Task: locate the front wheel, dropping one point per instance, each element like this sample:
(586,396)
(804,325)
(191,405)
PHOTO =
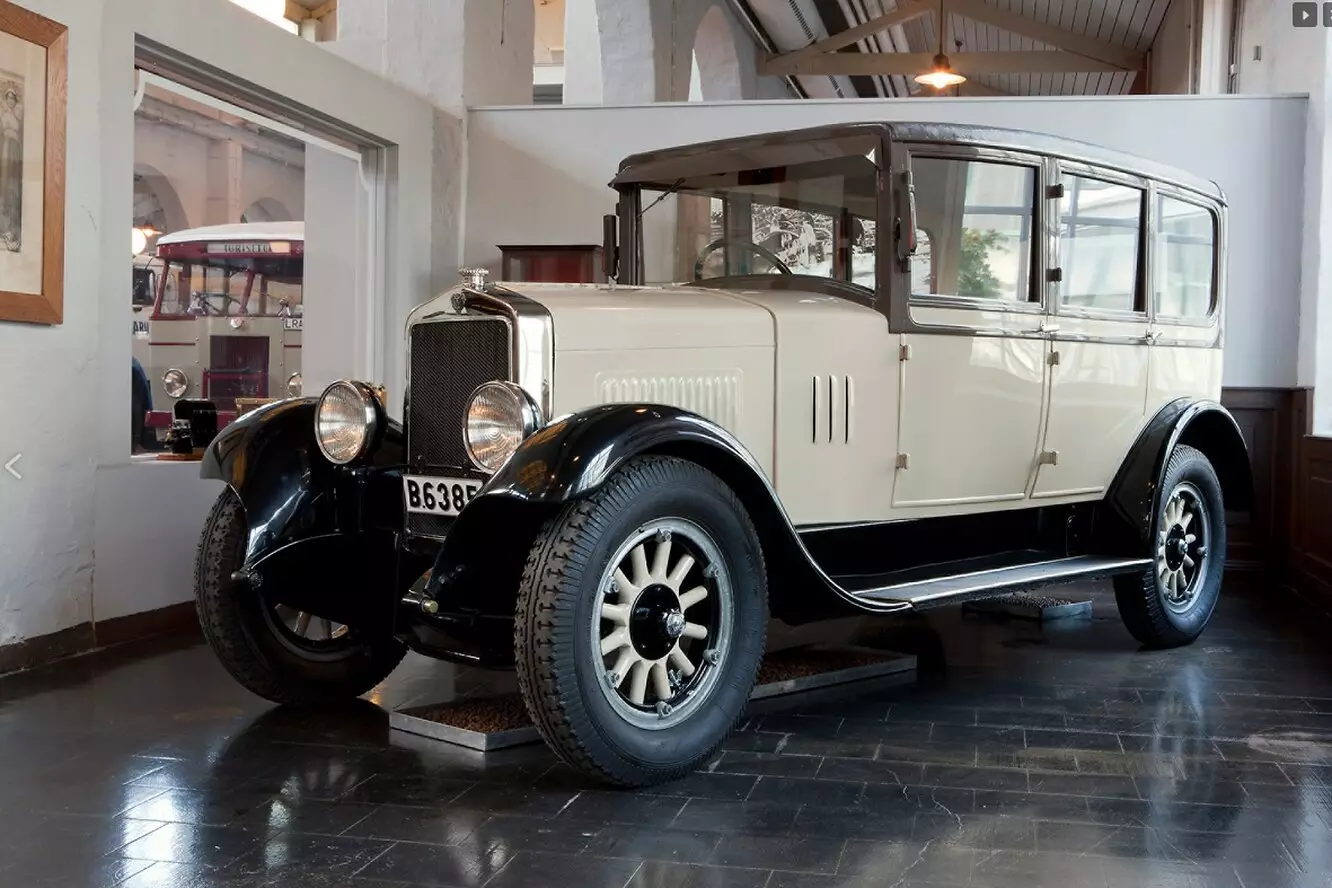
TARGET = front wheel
(278,653)
(1169,604)
(641,621)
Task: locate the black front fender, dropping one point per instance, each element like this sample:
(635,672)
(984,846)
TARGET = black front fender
(1204,425)
(573,457)
(290,491)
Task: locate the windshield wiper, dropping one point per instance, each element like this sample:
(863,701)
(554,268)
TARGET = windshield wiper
(665,194)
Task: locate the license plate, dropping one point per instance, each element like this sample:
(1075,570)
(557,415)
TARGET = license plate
(438,496)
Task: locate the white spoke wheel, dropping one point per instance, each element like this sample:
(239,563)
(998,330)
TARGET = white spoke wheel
(1181,551)
(641,620)
(1170,603)
(662,622)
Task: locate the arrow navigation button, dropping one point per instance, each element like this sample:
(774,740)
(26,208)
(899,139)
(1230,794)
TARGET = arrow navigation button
(9,466)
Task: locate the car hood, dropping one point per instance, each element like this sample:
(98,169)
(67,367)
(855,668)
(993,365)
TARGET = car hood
(599,318)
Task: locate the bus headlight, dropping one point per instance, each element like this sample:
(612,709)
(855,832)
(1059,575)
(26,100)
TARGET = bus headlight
(499,416)
(346,421)
(176,383)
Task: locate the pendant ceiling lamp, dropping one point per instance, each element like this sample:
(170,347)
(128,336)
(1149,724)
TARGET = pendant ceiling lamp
(941,74)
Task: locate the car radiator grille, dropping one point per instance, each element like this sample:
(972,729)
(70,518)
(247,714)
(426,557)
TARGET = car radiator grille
(449,359)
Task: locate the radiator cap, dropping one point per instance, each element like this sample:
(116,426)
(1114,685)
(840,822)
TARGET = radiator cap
(474,277)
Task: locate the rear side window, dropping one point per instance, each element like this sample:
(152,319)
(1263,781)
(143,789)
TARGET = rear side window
(1100,225)
(1184,260)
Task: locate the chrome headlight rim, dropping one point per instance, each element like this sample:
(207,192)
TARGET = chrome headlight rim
(176,383)
(295,385)
(527,412)
(368,409)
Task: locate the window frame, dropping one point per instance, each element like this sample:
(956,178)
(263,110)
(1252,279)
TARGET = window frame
(1160,190)
(1061,171)
(1035,301)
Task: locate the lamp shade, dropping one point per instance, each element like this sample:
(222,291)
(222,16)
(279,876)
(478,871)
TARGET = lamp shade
(941,74)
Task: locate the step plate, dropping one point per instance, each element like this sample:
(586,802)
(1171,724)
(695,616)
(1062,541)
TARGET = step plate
(984,583)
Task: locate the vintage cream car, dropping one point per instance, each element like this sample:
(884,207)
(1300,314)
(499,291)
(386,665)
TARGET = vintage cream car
(912,364)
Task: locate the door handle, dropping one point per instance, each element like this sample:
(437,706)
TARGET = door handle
(1046,327)
(1154,336)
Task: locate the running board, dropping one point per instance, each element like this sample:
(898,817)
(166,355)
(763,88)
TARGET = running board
(957,587)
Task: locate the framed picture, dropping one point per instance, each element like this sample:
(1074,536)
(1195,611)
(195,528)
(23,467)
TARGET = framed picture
(34,54)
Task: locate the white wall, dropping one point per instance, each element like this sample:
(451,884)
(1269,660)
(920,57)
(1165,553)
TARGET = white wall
(538,175)
(66,397)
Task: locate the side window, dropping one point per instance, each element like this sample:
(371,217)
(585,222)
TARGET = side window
(979,219)
(1185,247)
(1100,225)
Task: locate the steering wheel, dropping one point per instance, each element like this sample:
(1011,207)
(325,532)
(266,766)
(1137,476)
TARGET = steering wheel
(747,245)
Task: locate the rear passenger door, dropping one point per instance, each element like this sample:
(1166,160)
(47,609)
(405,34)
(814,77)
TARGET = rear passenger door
(1096,286)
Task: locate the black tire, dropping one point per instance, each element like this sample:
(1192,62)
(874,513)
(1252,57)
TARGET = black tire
(241,627)
(1143,598)
(566,685)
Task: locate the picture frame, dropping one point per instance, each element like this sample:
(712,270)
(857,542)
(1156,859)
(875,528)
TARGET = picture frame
(34,73)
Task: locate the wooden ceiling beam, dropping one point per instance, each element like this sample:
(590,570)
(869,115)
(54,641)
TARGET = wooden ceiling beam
(1051,35)
(906,11)
(297,12)
(852,64)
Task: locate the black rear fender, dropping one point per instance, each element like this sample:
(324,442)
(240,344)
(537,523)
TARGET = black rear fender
(1127,522)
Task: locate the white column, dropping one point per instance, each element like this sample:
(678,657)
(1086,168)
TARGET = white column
(582,53)
(456,53)
(1277,58)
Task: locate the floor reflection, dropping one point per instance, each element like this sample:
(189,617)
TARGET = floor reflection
(1057,755)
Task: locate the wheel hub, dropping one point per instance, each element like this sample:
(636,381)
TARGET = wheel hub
(663,628)
(656,622)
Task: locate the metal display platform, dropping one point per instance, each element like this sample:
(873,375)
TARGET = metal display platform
(786,678)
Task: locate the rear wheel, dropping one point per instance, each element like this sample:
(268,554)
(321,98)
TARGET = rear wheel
(641,622)
(1170,603)
(276,652)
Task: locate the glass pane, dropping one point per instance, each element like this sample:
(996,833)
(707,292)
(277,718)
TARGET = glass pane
(808,218)
(975,236)
(1099,227)
(1185,245)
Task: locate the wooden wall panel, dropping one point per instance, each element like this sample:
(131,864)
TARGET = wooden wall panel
(1265,420)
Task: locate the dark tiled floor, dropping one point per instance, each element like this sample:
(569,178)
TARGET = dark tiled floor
(1023,756)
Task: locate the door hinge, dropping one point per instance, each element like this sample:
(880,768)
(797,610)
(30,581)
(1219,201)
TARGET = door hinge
(1054,192)
(1048,458)
(1054,275)
(904,352)
(1053,360)
(903,460)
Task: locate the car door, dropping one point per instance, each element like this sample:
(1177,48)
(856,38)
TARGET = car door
(1186,294)
(1099,356)
(972,347)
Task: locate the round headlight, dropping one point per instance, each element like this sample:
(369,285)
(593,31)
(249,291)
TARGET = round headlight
(499,416)
(345,421)
(176,383)
(294,387)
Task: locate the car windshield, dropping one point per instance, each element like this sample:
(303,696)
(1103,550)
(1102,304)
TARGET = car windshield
(228,285)
(811,217)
